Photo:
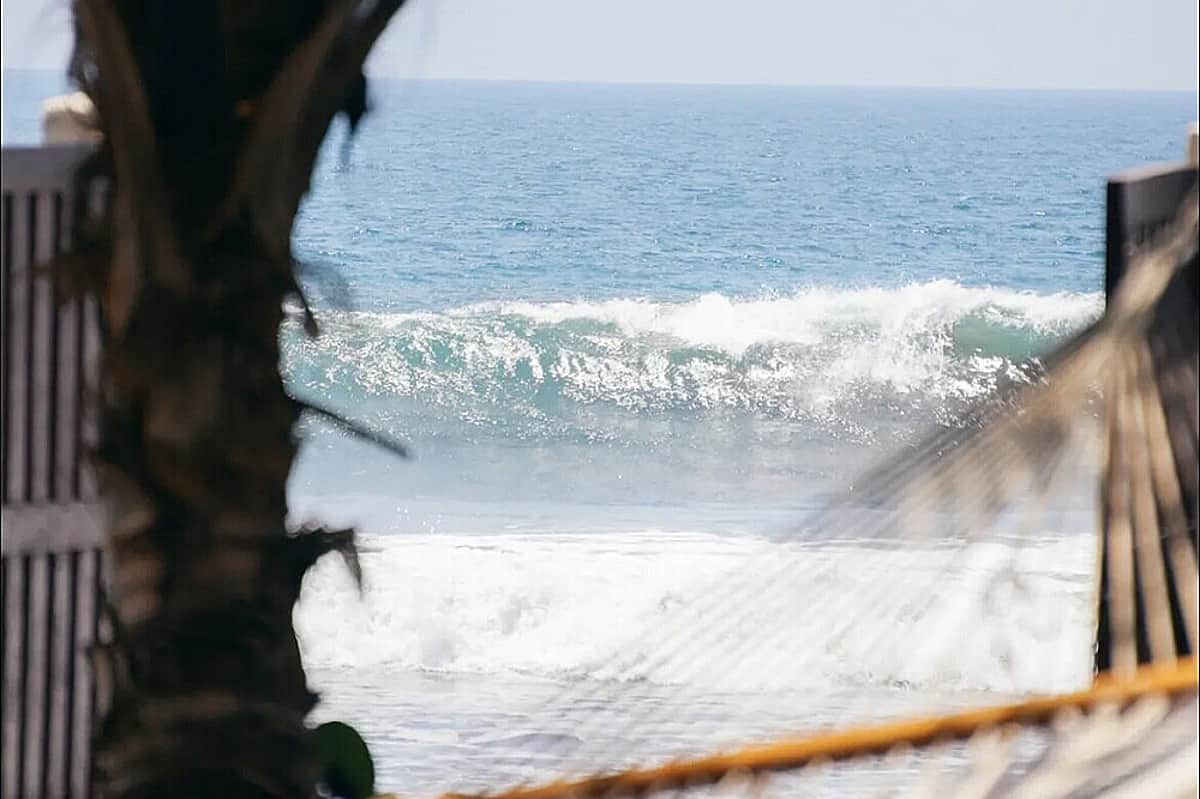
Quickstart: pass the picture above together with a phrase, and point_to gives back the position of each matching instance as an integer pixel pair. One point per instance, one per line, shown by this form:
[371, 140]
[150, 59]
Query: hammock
[949, 539]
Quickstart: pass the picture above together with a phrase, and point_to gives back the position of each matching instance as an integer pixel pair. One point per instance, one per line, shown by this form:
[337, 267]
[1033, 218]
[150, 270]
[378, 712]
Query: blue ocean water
[588, 303]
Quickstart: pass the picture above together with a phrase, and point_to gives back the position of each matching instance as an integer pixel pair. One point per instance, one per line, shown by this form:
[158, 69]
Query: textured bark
[212, 114]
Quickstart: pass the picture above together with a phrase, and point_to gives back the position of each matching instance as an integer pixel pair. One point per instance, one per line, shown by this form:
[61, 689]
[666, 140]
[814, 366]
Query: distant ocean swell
[817, 353]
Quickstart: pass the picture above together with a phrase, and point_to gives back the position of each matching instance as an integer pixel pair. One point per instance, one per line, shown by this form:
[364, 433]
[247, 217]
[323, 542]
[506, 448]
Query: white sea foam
[569, 606]
[575, 607]
[823, 352]
[806, 317]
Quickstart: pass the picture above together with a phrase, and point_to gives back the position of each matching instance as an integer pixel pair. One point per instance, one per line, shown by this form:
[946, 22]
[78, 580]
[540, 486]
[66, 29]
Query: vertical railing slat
[24, 669]
[62, 644]
[101, 683]
[30, 352]
[44, 333]
[75, 672]
[14, 657]
[7, 219]
[79, 311]
[35, 665]
[66, 389]
[89, 372]
[85, 625]
[17, 342]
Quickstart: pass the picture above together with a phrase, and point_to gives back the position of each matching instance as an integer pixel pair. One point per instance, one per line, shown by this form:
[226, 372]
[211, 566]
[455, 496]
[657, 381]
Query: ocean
[631, 333]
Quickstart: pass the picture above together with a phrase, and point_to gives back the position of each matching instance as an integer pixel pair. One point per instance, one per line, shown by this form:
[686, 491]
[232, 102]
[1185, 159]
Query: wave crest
[818, 353]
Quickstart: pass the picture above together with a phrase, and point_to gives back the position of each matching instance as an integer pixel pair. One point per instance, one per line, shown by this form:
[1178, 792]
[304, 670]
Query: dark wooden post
[1140, 203]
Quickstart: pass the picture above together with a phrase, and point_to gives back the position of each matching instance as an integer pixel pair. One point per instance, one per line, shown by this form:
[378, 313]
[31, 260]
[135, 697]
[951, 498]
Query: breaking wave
[817, 353]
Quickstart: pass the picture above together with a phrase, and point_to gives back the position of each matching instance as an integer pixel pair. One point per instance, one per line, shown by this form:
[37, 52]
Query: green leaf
[347, 769]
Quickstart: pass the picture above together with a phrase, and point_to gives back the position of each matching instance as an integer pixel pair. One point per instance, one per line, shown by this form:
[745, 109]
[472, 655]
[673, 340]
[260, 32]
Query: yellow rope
[1168, 678]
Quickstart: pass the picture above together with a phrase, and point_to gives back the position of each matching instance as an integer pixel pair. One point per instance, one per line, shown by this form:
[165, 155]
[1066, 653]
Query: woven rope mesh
[961, 573]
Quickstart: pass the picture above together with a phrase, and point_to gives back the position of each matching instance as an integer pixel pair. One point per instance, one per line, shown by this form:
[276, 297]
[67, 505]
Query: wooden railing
[53, 556]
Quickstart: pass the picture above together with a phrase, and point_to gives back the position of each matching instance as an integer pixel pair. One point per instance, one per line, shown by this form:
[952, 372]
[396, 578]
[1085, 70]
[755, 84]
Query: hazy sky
[1135, 44]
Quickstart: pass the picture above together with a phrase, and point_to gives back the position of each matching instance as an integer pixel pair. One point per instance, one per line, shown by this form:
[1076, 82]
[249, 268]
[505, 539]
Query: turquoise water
[582, 302]
[663, 320]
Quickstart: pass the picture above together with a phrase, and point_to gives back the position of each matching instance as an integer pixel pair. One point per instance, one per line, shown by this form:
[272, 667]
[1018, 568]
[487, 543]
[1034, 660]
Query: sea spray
[844, 357]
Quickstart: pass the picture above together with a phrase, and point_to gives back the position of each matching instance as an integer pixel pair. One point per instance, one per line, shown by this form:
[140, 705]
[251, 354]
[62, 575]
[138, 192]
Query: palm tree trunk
[212, 114]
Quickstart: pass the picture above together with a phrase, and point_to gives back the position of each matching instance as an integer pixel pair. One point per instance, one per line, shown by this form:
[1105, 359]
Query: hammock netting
[936, 563]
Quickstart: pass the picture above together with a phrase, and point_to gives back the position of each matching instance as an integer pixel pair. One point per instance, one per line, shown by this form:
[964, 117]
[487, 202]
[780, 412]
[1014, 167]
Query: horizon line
[735, 84]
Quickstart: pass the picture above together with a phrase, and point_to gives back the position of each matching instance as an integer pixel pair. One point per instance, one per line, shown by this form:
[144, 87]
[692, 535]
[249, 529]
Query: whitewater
[568, 607]
[939, 338]
[514, 653]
